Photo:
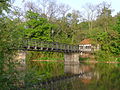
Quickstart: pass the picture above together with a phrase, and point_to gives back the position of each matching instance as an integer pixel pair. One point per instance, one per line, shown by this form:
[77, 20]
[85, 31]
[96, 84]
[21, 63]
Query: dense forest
[52, 21]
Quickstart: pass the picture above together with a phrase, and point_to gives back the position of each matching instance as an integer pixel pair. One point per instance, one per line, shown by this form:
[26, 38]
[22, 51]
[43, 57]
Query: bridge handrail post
[51, 45]
[47, 44]
[78, 48]
[68, 47]
[73, 47]
[60, 46]
[41, 44]
[28, 43]
[56, 45]
[33, 42]
[36, 44]
[65, 47]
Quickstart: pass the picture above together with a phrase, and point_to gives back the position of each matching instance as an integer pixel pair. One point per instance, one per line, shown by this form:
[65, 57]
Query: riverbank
[92, 61]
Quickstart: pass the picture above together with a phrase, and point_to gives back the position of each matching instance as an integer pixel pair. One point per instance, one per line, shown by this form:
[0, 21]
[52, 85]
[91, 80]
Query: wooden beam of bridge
[38, 45]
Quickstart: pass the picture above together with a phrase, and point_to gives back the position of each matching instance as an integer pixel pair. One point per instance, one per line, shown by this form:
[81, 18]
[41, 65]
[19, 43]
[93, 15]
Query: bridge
[71, 56]
[71, 52]
[38, 45]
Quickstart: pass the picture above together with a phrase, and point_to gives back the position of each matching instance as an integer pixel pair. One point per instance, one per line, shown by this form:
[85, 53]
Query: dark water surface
[83, 76]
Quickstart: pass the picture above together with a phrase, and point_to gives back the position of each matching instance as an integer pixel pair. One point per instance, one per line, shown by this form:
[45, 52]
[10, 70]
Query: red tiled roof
[86, 41]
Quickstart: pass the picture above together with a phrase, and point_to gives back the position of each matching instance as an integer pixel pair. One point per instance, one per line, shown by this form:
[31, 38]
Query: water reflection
[80, 76]
[87, 70]
[95, 76]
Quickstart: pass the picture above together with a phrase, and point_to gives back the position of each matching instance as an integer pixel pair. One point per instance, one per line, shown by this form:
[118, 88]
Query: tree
[31, 6]
[73, 20]
[104, 17]
[37, 27]
[4, 5]
[117, 25]
[90, 14]
[8, 36]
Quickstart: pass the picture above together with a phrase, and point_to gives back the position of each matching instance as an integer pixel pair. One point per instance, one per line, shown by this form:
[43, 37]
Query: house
[87, 45]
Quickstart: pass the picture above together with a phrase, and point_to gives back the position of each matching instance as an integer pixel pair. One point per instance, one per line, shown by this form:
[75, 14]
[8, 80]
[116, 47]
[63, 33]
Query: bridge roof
[86, 41]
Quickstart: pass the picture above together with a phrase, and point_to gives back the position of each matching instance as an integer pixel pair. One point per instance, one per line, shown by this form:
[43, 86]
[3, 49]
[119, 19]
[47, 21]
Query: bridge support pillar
[71, 58]
[71, 61]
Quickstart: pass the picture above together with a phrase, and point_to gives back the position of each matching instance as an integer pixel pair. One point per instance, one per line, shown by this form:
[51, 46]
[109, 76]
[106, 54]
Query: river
[83, 76]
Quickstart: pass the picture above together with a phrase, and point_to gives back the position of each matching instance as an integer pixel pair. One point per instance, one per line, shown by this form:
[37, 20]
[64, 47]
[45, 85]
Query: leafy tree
[8, 36]
[4, 5]
[117, 25]
[37, 27]
[104, 19]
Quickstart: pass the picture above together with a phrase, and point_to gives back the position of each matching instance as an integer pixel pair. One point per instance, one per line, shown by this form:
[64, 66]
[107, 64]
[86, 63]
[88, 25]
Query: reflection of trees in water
[85, 77]
[109, 77]
[98, 77]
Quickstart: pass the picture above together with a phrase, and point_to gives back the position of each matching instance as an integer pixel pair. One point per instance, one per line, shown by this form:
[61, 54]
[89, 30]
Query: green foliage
[117, 25]
[4, 5]
[40, 71]
[8, 36]
[109, 42]
[108, 78]
[37, 27]
[83, 59]
[7, 71]
[66, 29]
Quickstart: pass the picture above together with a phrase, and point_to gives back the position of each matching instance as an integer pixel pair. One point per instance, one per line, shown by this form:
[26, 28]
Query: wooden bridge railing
[34, 44]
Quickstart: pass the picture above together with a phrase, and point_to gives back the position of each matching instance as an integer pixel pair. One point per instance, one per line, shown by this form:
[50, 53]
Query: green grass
[83, 59]
[49, 58]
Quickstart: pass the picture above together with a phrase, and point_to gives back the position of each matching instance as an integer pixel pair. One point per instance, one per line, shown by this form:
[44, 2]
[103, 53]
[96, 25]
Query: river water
[83, 76]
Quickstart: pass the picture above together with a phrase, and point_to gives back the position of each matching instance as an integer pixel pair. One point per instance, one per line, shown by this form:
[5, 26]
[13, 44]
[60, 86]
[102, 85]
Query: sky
[79, 4]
